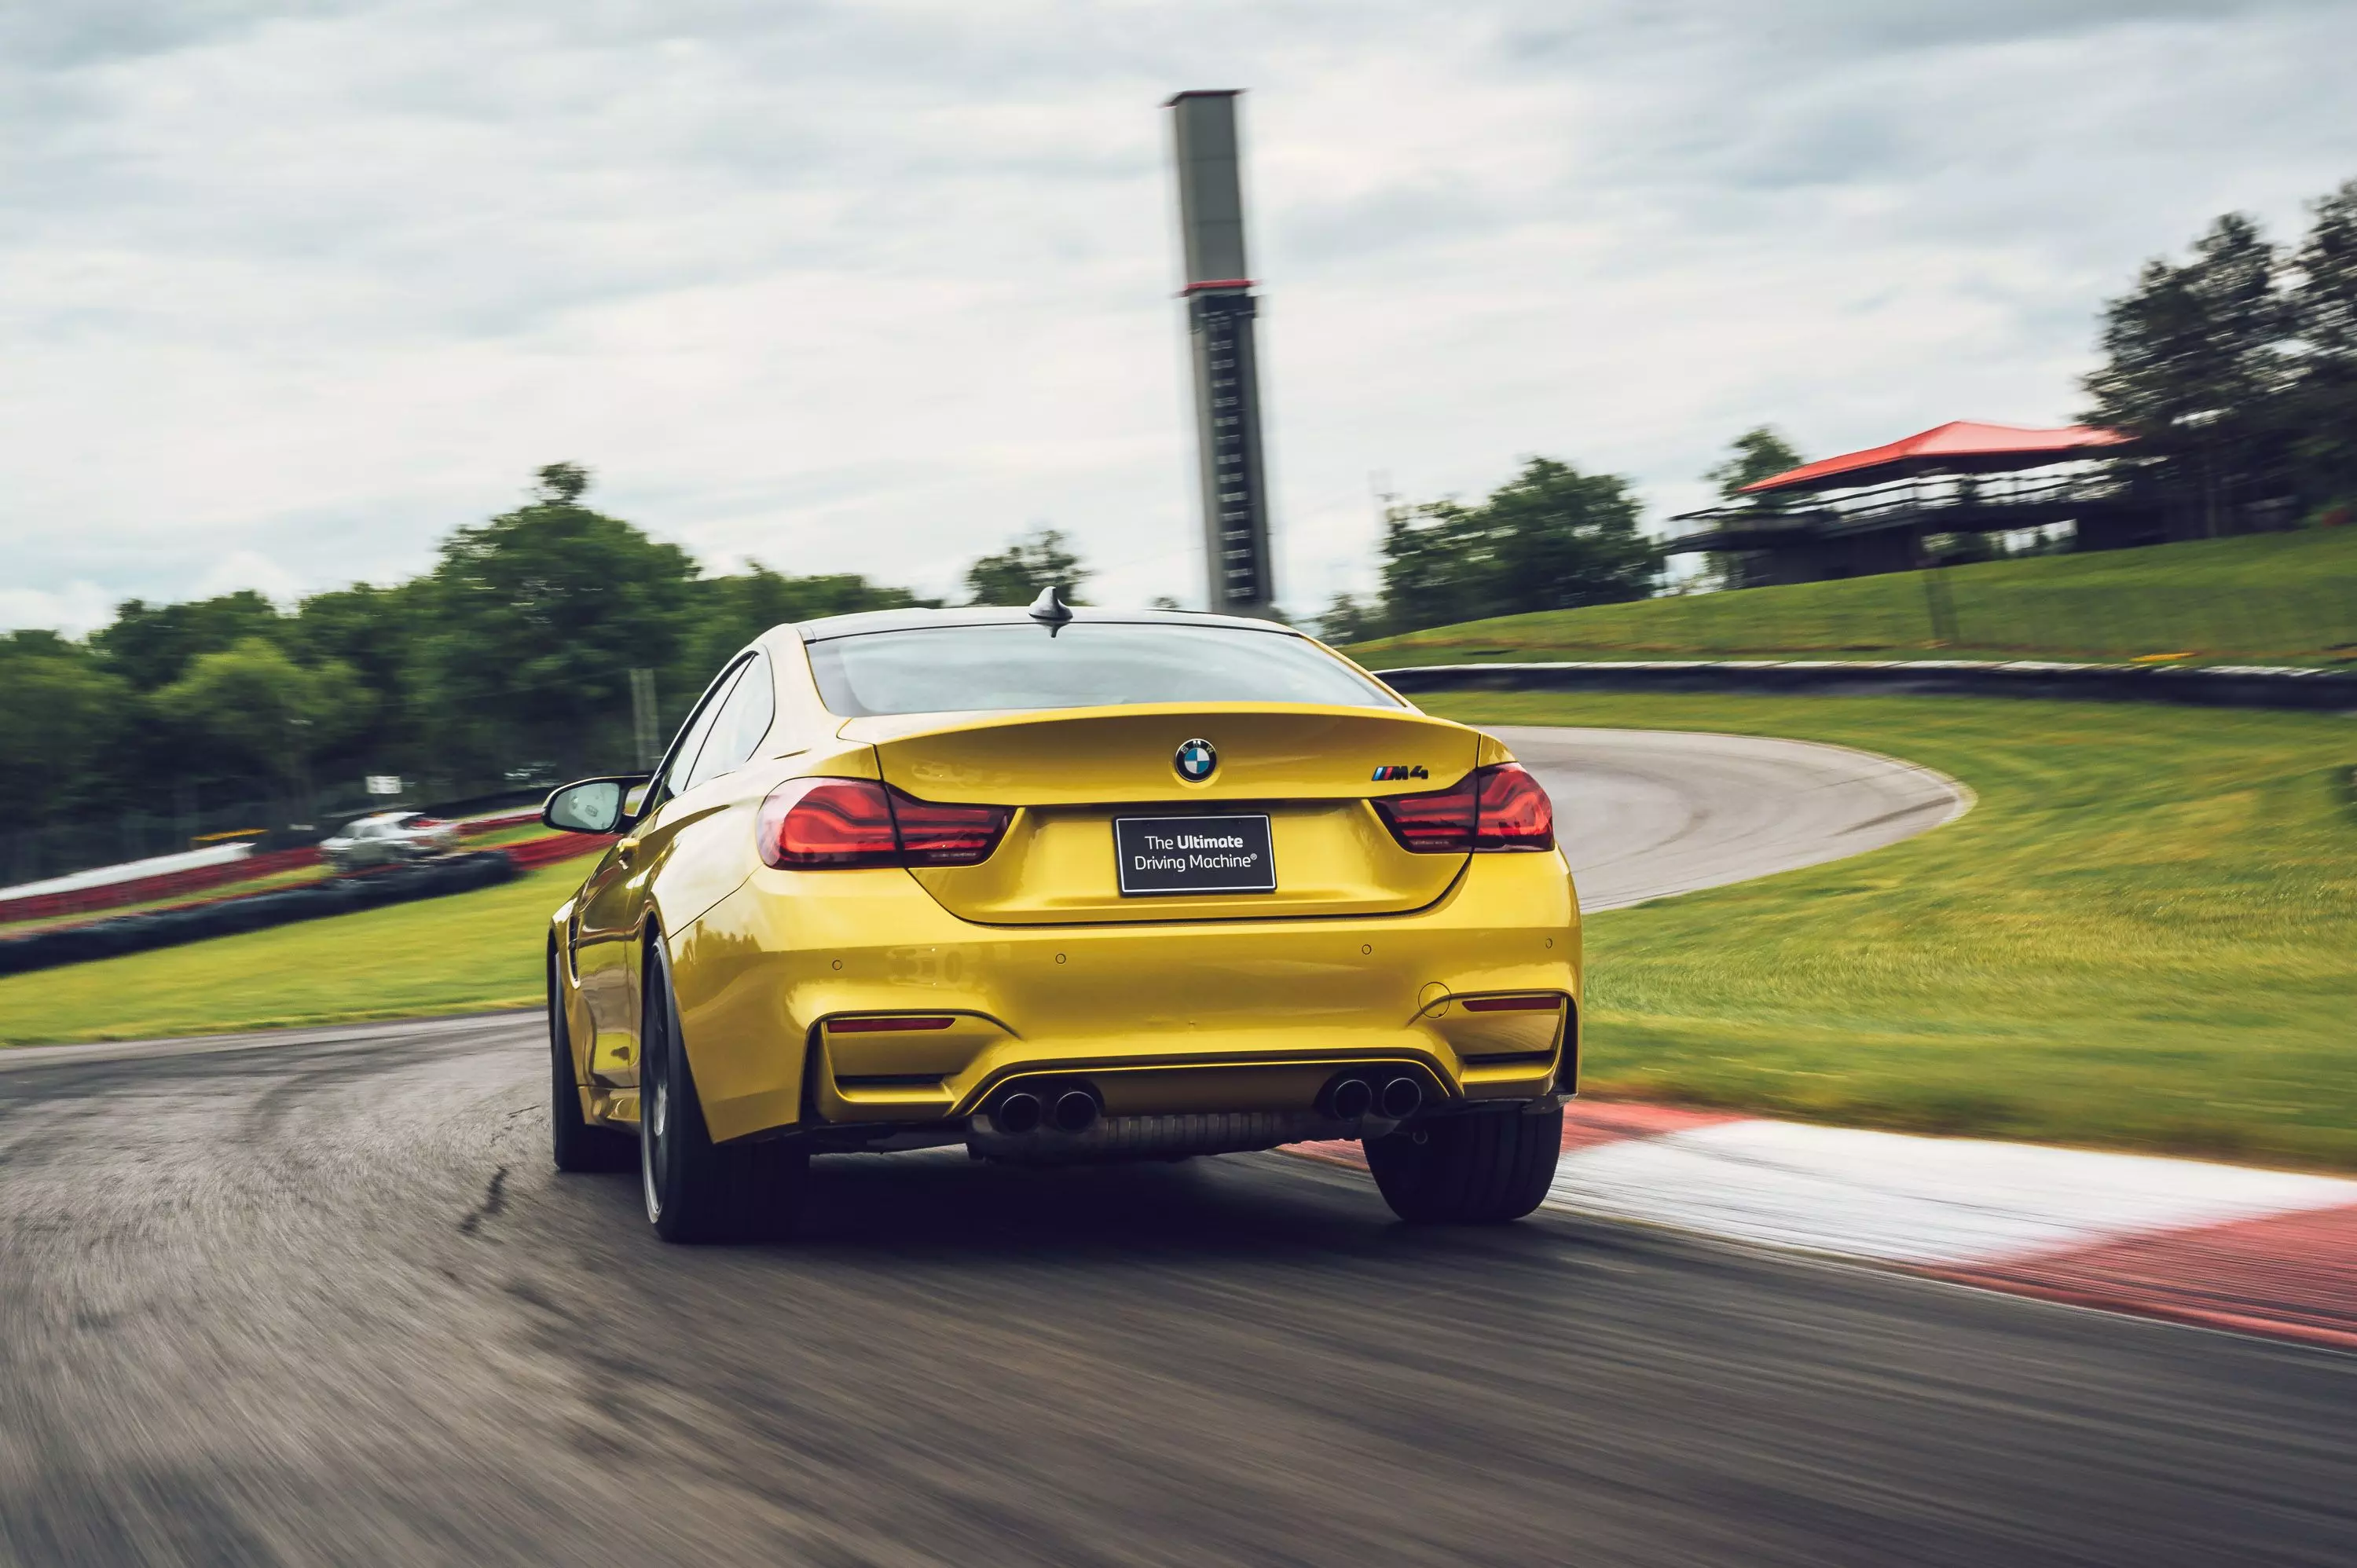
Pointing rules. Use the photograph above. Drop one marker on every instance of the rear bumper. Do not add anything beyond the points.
(1159, 1017)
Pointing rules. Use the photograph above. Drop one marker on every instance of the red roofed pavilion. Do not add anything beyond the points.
(1872, 511)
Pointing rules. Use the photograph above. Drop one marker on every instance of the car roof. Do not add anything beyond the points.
(871, 621)
(375, 817)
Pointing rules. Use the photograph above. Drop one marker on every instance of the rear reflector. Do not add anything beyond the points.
(885, 1025)
(1510, 1003)
(1496, 808)
(834, 823)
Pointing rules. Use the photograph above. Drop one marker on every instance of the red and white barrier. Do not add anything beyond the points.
(2268, 1252)
(148, 887)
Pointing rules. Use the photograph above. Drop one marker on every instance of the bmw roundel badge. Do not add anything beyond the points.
(1195, 761)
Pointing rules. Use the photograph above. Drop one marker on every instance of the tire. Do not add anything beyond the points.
(697, 1190)
(578, 1144)
(1469, 1170)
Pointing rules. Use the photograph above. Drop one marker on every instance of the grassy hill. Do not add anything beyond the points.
(2279, 598)
(2140, 936)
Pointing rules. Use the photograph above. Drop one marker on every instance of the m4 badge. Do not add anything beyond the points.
(1390, 771)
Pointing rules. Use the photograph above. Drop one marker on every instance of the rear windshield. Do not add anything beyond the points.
(957, 668)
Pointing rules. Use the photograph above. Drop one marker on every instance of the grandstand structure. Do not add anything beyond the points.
(1890, 508)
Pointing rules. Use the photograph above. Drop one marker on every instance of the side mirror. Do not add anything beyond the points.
(590, 806)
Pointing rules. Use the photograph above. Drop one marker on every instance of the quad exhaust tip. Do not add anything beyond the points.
(1353, 1097)
(1074, 1111)
(1017, 1113)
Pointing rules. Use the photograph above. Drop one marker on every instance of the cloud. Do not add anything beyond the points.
(872, 287)
(251, 569)
(75, 609)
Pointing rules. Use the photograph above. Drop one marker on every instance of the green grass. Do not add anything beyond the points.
(469, 953)
(2283, 597)
(2144, 935)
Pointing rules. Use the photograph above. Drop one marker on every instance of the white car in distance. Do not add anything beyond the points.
(388, 838)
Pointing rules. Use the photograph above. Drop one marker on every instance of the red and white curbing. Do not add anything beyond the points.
(2258, 1251)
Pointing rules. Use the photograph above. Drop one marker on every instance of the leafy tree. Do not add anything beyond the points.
(1351, 619)
(1562, 539)
(536, 619)
(2323, 403)
(1550, 538)
(1759, 452)
(2193, 358)
(275, 715)
(1015, 574)
(150, 645)
(729, 612)
(561, 484)
(62, 714)
(378, 634)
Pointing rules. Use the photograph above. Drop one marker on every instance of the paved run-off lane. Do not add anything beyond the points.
(320, 1299)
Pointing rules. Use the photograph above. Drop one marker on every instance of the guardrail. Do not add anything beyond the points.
(2212, 685)
(1901, 497)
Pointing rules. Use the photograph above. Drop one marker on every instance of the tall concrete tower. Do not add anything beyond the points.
(1220, 311)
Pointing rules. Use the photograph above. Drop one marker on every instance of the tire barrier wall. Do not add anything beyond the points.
(254, 911)
(2231, 686)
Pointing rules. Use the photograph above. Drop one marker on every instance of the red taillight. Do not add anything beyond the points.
(1515, 812)
(1500, 807)
(935, 834)
(1438, 822)
(812, 823)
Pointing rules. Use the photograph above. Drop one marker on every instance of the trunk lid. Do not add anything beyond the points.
(1072, 773)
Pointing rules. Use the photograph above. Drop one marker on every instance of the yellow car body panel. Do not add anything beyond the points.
(1033, 962)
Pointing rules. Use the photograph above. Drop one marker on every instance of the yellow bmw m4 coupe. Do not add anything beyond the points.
(1061, 885)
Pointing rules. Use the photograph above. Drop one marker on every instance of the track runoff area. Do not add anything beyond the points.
(318, 1296)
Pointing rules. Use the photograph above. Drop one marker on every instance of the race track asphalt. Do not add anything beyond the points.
(1649, 814)
(318, 1297)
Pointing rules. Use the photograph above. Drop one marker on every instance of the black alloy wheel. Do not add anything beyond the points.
(696, 1189)
(578, 1144)
(1478, 1169)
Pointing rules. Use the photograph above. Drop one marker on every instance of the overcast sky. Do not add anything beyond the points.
(288, 292)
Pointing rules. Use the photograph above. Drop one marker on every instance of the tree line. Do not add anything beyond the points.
(2236, 371)
(510, 661)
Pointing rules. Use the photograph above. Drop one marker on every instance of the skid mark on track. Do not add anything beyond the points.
(495, 1202)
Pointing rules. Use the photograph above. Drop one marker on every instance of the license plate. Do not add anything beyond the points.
(1193, 854)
